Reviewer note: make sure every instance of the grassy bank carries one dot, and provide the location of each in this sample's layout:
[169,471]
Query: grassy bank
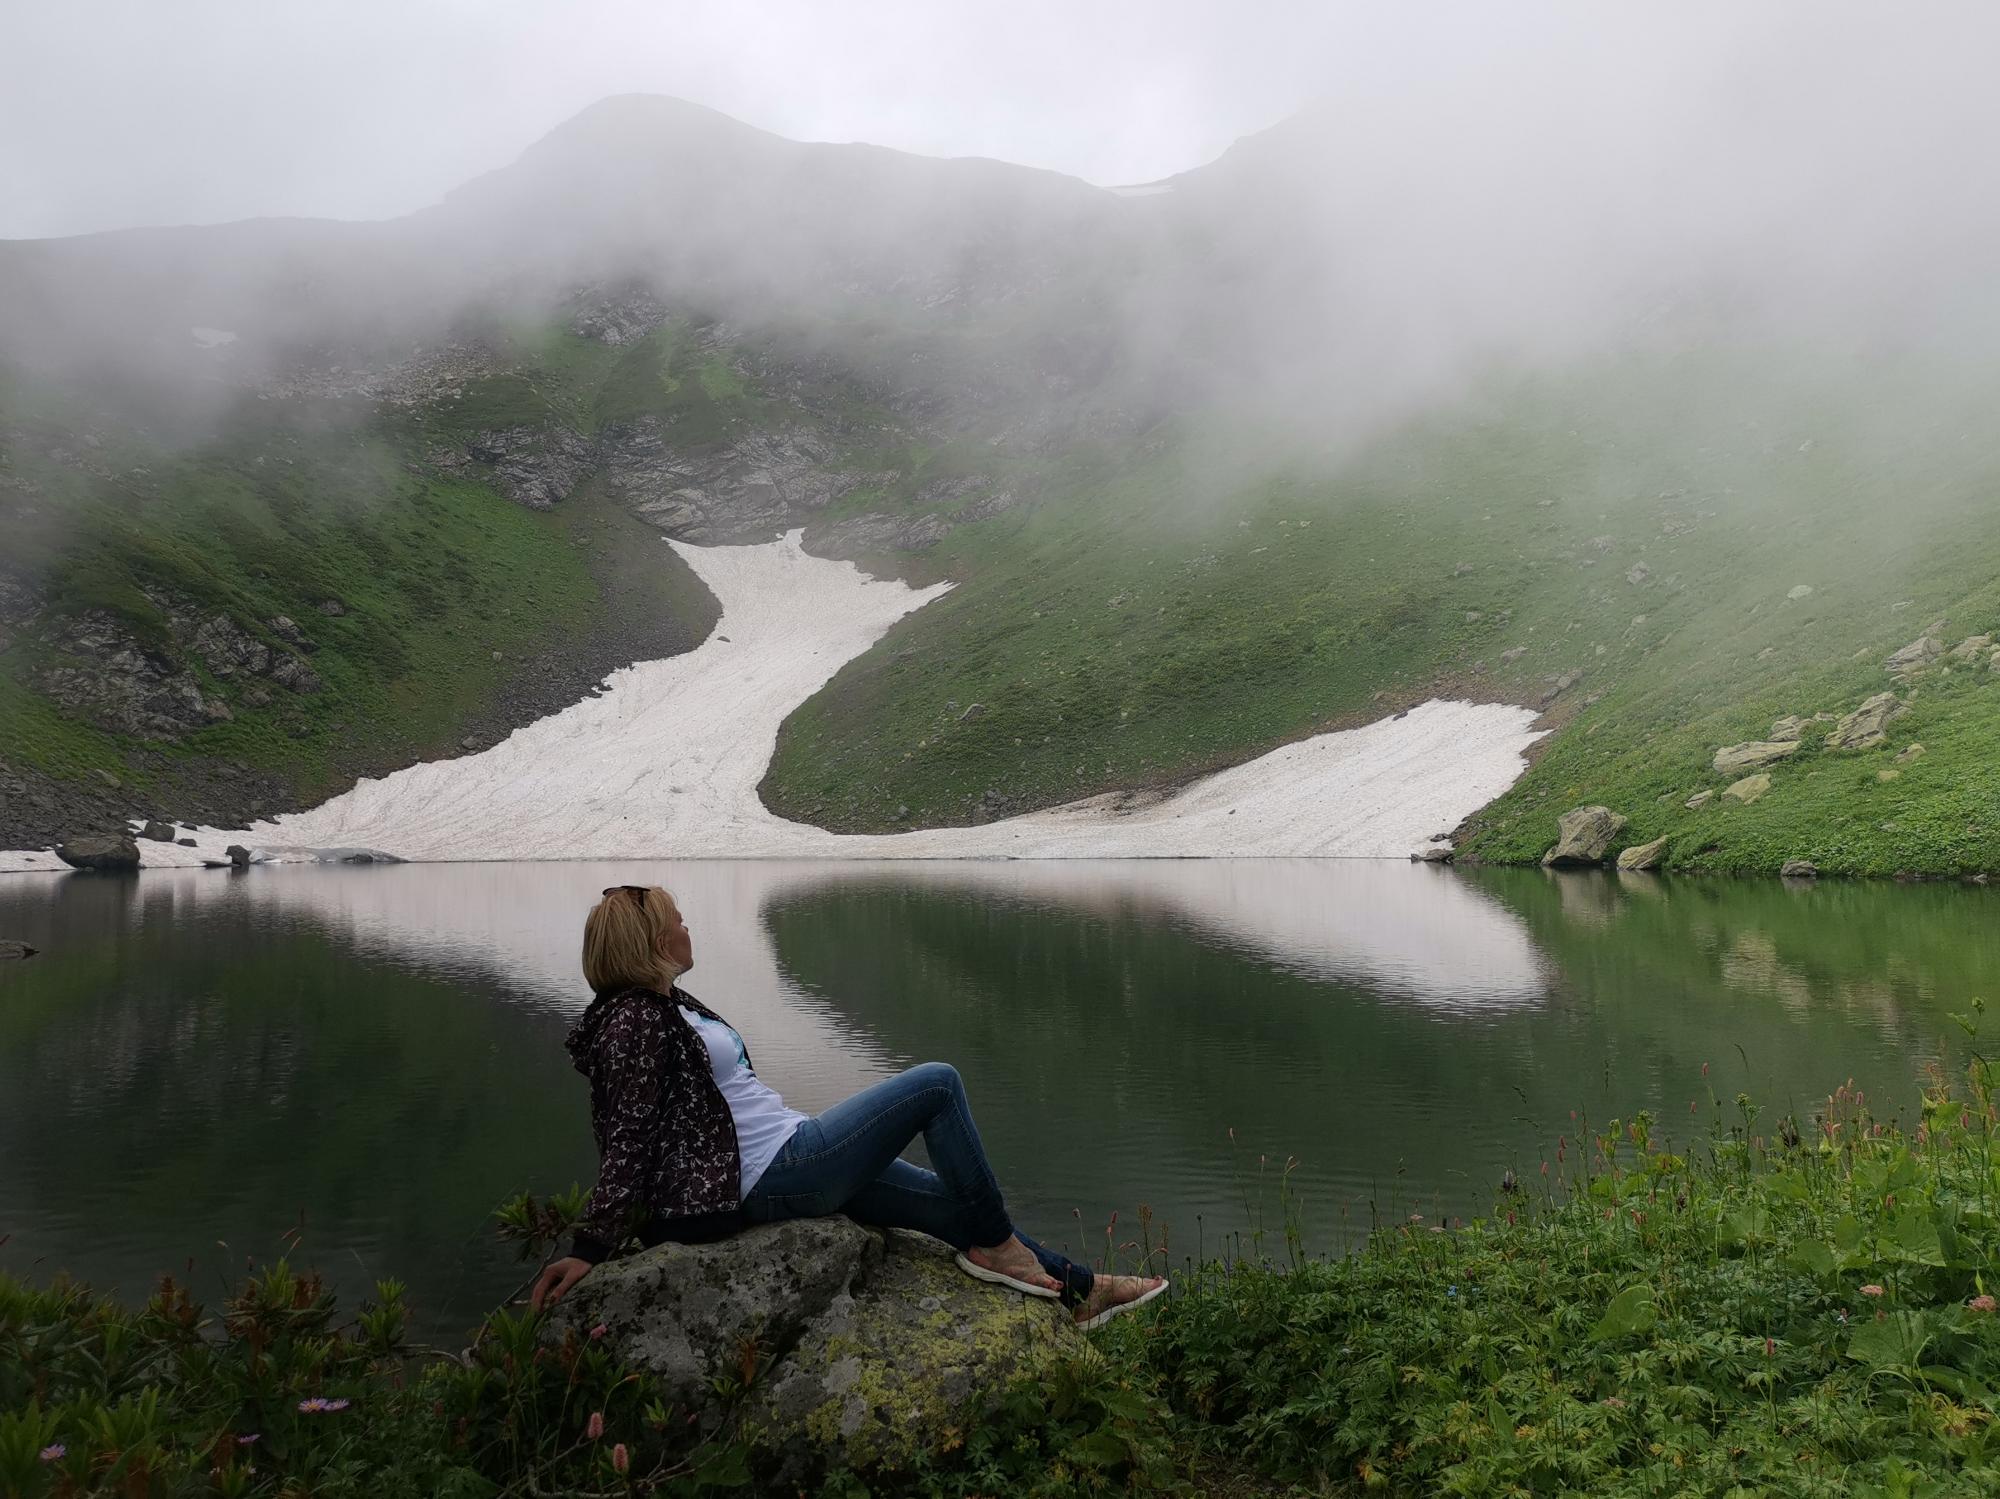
[1759,1304]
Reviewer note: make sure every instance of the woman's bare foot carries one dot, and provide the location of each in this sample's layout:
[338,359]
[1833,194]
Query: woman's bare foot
[1016,1261]
[1110,1292]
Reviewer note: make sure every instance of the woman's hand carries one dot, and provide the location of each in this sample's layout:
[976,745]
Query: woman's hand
[554,1281]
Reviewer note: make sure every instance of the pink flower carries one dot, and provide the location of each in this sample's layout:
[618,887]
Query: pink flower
[246,1441]
[1872,1291]
[54,1452]
[312,1407]
[1982,1303]
[620,1458]
[338,1405]
[600,1330]
[595,1429]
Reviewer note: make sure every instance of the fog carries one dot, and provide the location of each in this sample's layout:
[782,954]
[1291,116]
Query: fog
[1366,211]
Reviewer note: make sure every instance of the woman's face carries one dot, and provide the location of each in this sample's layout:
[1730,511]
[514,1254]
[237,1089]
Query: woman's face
[675,941]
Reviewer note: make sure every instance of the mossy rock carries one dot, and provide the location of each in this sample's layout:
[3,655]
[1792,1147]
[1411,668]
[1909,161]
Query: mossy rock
[898,1369]
[823,1344]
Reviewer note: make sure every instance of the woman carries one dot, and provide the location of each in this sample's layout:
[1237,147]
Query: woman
[693,1147]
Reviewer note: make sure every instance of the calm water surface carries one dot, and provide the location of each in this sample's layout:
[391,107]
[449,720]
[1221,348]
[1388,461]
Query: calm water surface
[200,1061]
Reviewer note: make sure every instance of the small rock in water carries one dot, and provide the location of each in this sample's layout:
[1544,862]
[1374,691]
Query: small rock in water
[1437,854]
[12,951]
[238,856]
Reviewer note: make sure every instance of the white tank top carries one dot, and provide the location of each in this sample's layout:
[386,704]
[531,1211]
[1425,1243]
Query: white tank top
[763,1123]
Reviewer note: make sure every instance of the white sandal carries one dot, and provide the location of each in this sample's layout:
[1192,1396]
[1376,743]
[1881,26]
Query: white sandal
[1123,1306]
[994,1277]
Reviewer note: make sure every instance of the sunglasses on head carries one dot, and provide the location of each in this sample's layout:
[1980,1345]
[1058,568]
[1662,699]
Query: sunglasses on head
[638,893]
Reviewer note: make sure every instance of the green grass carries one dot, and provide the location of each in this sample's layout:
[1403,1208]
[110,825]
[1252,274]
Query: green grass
[1153,618]
[282,510]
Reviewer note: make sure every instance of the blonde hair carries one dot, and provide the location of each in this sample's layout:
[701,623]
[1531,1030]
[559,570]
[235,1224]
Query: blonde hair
[623,941]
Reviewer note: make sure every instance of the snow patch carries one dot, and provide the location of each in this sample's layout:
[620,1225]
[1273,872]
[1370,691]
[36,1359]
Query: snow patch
[665,763]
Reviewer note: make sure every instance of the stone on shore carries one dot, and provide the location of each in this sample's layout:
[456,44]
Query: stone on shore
[1800,869]
[102,855]
[158,832]
[1734,758]
[1642,856]
[1439,853]
[870,1349]
[1584,837]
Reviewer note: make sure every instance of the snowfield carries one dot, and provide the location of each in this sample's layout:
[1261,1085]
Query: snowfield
[665,762]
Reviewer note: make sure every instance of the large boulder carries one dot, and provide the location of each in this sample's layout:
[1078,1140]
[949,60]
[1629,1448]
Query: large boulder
[1641,856]
[103,855]
[1868,725]
[866,1350]
[1791,726]
[1584,837]
[1733,759]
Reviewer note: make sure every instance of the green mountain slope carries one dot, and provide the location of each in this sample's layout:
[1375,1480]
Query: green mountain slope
[1622,549]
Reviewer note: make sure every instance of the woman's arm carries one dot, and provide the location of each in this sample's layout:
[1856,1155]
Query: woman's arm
[631,1058]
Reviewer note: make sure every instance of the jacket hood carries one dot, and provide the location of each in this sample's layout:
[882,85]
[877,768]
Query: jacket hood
[582,1041]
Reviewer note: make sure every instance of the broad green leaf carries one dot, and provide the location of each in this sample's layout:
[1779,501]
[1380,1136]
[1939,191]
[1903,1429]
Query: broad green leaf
[1631,1310]
[1813,1257]
[1895,1342]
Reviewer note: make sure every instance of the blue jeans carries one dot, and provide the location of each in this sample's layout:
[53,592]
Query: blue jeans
[847,1160]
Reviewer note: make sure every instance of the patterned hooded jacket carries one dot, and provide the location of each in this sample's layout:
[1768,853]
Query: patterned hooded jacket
[665,1139]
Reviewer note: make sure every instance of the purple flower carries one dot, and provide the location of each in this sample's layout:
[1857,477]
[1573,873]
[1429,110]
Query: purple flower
[246,1441]
[338,1405]
[312,1406]
[54,1452]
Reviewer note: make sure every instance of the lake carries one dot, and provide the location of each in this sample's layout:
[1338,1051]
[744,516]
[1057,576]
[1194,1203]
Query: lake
[201,1061]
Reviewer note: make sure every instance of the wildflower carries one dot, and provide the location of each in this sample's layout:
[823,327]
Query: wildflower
[245,1441]
[1889,1201]
[596,1427]
[1770,1347]
[1416,1217]
[1704,1069]
[54,1452]
[312,1407]
[599,1331]
[1613,1401]
[620,1458]
[338,1405]
[1982,1303]
[1872,1291]
[1453,1291]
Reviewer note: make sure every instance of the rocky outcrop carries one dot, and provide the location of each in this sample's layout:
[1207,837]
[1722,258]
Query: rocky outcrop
[1971,649]
[1867,726]
[1641,856]
[100,855]
[104,674]
[1788,728]
[535,466]
[864,1350]
[1584,837]
[1915,656]
[1734,758]
[741,491]
[1699,800]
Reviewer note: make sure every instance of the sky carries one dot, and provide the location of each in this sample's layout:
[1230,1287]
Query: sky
[116,113]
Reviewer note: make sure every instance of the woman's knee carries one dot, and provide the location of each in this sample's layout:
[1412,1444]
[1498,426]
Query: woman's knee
[936,1075]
